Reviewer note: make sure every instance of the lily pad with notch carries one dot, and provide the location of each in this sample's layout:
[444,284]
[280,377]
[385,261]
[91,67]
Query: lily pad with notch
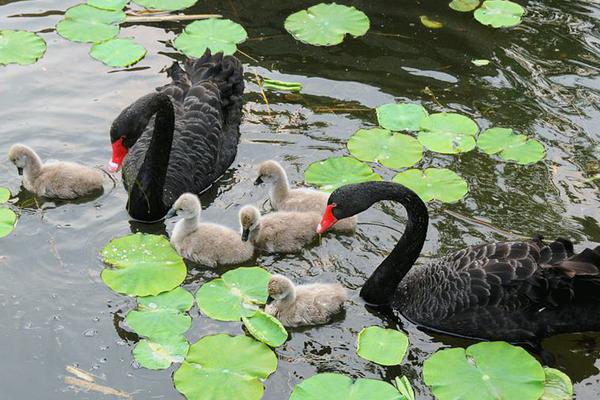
[499,13]
[266,328]
[161,352]
[223,367]
[382,346]
[510,146]
[332,386]
[401,117]
[142,265]
[118,52]
[434,183]
[215,34]
[20,47]
[334,172]
[391,149]
[448,133]
[84,23]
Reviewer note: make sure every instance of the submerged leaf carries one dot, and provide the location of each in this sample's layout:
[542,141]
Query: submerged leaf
[159,353]
[281,85]
[20,47]
[511,146]
[214,34]
[330,386]
[448,133]
[166,5]
[434,183]
[223,367]
[382,346]
[499,13]
[430,23]
[334,172]
[394,150]
[464,5]
[7,221]
[401,117]
[326,24]
[558,385]
[266,328]
[484,371]
[144,265]
[84,23]
[118,52]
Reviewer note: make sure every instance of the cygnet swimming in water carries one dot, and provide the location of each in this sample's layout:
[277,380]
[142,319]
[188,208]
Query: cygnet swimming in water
[311,304]
[280,231]
[285,199]
[58,180]
[205,243]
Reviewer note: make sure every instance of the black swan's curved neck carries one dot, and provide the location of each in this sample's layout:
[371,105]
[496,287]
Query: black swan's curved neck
[146,192]
[379,289]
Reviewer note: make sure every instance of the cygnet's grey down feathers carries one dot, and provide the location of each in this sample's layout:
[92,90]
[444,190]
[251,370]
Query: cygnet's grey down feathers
[281,231]
[206,243]
[58,180]
[305,200]
[302,305]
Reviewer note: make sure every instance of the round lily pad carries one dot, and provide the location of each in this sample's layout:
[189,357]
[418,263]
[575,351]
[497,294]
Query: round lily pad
[401,117]
[430,23]
[161,353]
[162,315]
[334,172]
[84,23]
[118,52]
[511,146]
[499,13]
[329,386]
[326,24]
[484,371]
[266,328]
[223,367]
[394,150]
[464,5]
[20,47]
[108,4]
[7,221]
[4,195]
[558,385]
[166,5]
[382,346]
[144,265]
[448,133]
[236,294]
[434,183]
[215,34]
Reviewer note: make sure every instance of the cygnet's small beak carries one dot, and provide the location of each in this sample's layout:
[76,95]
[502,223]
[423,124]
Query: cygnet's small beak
[270,300]
[245,234]
[258,180]
[20,170]
[171,213]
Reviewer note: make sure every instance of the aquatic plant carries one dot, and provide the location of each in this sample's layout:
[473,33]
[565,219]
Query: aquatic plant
[272,84]
[20,47]
[265,328]
[557,386]
[382,346]
[434,184]
[334,172]
[84,23]
[326,24]
[166,5]
[404,387]
[480,62]
[464,5]
[448,133]
[401,117]
[430,23]
[499,13]
[161,351]
[215,34]
[118,52]
[8,218]
[391,149]
[510,146]
[333,386]
[113,5]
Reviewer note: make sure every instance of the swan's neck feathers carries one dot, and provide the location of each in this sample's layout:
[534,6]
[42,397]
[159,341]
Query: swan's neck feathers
[184,227]
[288,300]
[33,166]
[280,188]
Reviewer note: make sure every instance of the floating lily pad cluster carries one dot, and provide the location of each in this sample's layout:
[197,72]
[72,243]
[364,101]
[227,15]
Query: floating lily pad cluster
[495,13]
[215,34]
[8,218]
[20,47]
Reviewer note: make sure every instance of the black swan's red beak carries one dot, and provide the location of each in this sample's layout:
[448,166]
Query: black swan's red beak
[119,151]
[327,220]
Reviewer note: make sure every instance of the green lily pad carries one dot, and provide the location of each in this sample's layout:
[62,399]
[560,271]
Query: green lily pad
[272,84]
[334,172]
[84,23]
[8,220]
[405,388]
[430,23]
[161,353]
[499,13]
[464,5]
[215,34]
[326,24]
[144,265]
[511,146]
[401,117]
[108,4]
[329,386]
[480,63]
[558,385]
[394,150]
[166,5]
[382,346]
[118,52]
[162,315]
[434,183]
[20,47]
[484,371]
[448,133]
[266,328]
[223,367]
[4,195]
[234,295]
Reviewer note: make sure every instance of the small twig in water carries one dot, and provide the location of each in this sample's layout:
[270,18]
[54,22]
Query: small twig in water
[162,18]
[390,34]
[262,92]
[429,92]
[248,55]
[85,385]
[79,373]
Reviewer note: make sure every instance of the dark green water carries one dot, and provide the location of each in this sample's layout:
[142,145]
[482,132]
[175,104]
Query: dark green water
[543,81]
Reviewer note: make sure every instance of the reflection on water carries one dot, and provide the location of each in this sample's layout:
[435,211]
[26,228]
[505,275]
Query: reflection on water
[542,81]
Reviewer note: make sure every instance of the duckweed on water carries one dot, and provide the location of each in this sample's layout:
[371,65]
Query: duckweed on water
[20,47]
[215,34]
[382,346]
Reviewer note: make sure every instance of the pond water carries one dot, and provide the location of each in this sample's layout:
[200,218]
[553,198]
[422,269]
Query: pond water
[543,80]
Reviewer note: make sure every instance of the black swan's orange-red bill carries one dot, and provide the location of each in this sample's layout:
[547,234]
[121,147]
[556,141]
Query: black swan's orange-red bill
[327,220]
[119,151]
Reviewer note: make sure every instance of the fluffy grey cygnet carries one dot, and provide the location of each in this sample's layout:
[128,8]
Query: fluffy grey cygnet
[280,231]
[285,199]
[58,180]
[205,243]
[312,304]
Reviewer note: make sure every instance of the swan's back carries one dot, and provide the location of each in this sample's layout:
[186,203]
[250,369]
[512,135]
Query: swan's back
[284,231]
[67,180]
[207,98]
[514,290]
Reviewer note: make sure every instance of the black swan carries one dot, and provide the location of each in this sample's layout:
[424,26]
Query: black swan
[181,138]
[515,291]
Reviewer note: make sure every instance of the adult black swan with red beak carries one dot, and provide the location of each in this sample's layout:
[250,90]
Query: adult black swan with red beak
[516,291]
[181,138]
